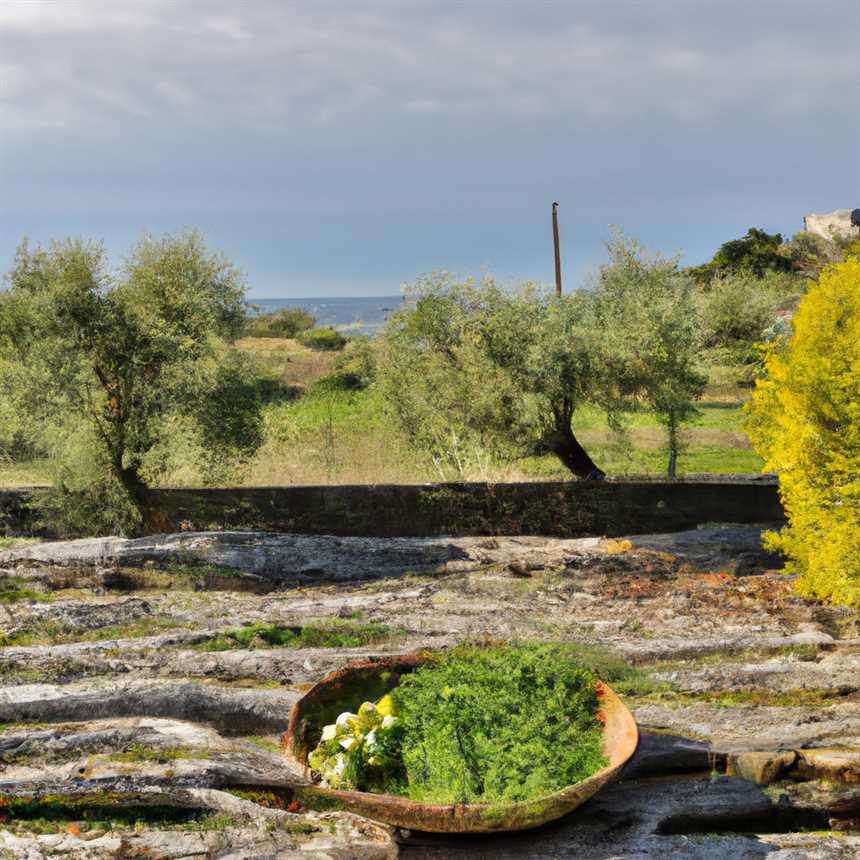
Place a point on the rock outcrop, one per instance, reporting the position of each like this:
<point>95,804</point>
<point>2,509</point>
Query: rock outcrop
<point>841,223</point>
<point>126,704</point>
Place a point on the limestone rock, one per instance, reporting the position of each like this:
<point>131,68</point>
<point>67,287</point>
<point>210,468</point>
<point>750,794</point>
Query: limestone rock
<point>762,768</point>
<point>834,763</point>
<point>718,637</point>
<point>831,225</point>
<point>760,727</point>
<point>660,754</point>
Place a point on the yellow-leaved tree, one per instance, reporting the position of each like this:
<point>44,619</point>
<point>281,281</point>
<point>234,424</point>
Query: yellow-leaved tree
<point>805,421</point>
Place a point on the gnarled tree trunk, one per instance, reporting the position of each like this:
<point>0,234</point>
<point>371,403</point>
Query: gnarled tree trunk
<point>564,444</point>
<point>153,520</point>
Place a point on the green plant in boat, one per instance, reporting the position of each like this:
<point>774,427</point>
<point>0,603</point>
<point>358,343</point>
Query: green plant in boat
<point>473,725</point>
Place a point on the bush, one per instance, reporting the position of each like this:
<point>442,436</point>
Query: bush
<point>355,367</point>
<point>805,421</point>
<point>737,311</point>
<point>498,724</point>
<point>327,339</point>
<point>287,322</point>
<point>756,253</point>
<point>809,253</point>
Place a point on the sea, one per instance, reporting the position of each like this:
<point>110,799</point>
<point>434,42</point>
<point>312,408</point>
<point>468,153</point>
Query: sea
<point>351,315</point>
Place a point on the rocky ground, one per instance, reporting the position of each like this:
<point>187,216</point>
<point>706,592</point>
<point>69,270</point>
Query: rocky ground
<point>144,687</point>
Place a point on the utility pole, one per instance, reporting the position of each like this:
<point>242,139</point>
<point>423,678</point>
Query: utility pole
<point>557,252</point>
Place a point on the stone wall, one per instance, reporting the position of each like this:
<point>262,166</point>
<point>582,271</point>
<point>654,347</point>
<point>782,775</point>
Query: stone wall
<point>562,509</point>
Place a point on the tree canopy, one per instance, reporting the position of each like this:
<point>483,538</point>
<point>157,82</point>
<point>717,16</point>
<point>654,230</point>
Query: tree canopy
<point>473,370</point>
<point>651,337</point>
<point>757,252</point>
<point>478,370</point>
<point>109,364</point>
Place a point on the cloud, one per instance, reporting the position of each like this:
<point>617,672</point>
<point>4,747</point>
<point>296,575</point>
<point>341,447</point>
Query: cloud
<point>306,64</point>
<point>287,106</point>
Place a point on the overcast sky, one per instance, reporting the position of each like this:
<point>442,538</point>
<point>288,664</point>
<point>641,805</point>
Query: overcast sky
<point>337,147</point>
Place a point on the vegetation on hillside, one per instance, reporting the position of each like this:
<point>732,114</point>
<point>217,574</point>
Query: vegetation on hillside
<point>646,371</point>
<point>287,322</point>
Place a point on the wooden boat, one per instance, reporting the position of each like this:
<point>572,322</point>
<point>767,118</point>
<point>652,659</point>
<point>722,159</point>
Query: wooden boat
<point>369,680</point>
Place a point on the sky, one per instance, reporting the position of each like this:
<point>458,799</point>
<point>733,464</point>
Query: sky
<point>342,147</point>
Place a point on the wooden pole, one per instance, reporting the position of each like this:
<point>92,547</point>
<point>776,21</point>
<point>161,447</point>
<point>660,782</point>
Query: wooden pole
<point>557,252</point>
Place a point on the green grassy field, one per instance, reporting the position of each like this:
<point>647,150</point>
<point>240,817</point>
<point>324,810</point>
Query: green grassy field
<point>317,436</point>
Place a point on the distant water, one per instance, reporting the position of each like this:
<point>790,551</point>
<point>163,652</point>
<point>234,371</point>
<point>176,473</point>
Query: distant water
<point>354,315</point>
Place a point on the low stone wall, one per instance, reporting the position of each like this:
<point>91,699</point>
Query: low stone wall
<point>562,509</point>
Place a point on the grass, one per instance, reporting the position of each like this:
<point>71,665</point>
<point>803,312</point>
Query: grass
<point>11,542</point>
<point>611,667</point>
<point>13,589</point>
<point>329,634</point>
<point>287,360</point>
<point>70,814</point>
<point>321,435</point>
<point>139,753</point>
<point>25,473</point>
<point>266,744</point>
<point>344,437</point>
<point>806,651</point>
<point>51,633</point>
<point>759,698</point>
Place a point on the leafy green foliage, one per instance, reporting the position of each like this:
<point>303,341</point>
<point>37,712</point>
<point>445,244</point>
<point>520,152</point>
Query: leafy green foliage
<point>757,252</point>
<point>355,367</point>
<point>476,373</point>
<point>480,373</point>
<point>107,364</point>
<point>738,310</point>
<point>809,253</point>
<point>329,634</point>
<point>287,322</point>
<point>651,337</point>
<point>498,724</point>
<point>327,339</point>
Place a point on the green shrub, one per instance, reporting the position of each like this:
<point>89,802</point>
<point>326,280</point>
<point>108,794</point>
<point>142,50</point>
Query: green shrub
<point>328,634</point>
<point>809,253</point>
<point>355,367</point>
<point>737,311</point>
<point>287,322</point>
<point>498,724</point>
<point>756,253</point>
<point>327,339</point>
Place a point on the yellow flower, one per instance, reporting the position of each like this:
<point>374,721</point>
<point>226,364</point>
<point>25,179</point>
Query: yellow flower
<point>385,706</point>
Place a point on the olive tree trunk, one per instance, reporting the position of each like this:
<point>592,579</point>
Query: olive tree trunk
<point>564,444</point>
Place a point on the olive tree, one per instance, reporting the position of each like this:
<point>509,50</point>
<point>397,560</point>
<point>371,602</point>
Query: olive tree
<point>651,336</point>
<point>118,362</point>
<point>477,370</point>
